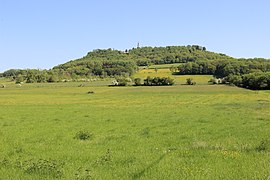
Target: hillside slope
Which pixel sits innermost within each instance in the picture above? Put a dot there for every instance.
(153, 55)
(110, 62)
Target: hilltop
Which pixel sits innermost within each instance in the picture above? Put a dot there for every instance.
(110, 62)
(144, 56)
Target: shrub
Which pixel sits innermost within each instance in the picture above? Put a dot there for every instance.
(256, 81)
(234, 79)
(19, 79)
(158, 81)
(137, 81)
(189, 81)
(263, 146)
(120, 81)
(53, 78)
(83, 135)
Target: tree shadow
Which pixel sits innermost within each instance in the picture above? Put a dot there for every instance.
(176, 73)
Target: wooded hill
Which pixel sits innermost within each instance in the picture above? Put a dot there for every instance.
(111, 62)
(114, 63)
(152, 55)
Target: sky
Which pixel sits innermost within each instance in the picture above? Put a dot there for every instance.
(44, 33)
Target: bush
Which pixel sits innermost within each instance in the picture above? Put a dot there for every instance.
(234, 79)
(158, 81)
(121, 81)
(257, 81)
(263, 146)
(137, 81)
(83, 135)
(19, 79)
(189, 81)
(53, 78)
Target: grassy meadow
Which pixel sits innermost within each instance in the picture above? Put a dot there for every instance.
(59, 131)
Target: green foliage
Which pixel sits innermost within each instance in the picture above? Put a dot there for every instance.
(109, 63)
(12, 73)
(74, 70)
(240, 67)
(223, 68)
(234, 79)
(256, 81)
(158, 81)
(19, 79)
(198, 67)
(121, 81)
(102, 68)
(189, 81)
(137, 81)
(83, 135)
(250, 73)
(263, 146)
(171, 54)
(53, 78)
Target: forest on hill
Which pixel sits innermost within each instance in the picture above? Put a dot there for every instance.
(155, 55)
(194, 59)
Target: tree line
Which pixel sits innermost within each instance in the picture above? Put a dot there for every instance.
(98, 68)
(254, 81)
(72, 71)
(247, 73)
(149, 81)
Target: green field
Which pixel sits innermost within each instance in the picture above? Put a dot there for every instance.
(177, 132)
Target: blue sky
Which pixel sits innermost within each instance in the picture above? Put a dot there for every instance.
(45, 33)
